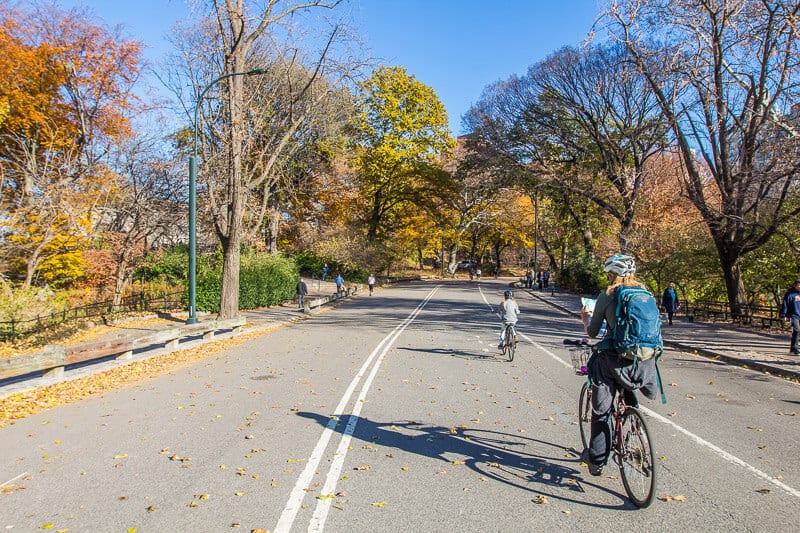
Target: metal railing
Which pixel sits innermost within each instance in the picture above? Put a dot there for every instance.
(12, 330)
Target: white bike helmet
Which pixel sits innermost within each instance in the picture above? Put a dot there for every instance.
(621, 265)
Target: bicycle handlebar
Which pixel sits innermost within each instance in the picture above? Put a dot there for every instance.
(575, 342)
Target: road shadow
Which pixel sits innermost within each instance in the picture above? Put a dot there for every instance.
(525, 463)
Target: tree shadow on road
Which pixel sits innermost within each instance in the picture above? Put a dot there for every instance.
(540, 467)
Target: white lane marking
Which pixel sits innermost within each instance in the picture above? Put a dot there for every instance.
(722, 453)
(13, 479)
(304, 480)
(323, 505)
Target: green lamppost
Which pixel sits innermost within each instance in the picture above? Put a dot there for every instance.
(193, 197)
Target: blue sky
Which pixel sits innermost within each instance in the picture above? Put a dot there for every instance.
(458, 47)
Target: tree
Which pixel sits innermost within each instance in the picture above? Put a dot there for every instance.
(583, 120)
(244, 142)
(147, 209)
(65, 84)
(400, 133)
(725, 75)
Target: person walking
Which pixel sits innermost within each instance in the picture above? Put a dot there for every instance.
(302, 292)
(790, 311)
(324, 271)
(669, 302)
(371, 283)
(339, 283)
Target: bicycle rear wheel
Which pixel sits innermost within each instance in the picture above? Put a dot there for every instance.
(510, 342)
(637, 464)
(585, 414)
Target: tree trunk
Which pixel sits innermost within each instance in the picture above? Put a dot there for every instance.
(420, 258)
(231, 242)
(274, 226)
(375, 219)
(734, 285)
(453, 265)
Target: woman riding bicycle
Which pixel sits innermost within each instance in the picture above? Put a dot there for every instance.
(609, 371)
(509, 311)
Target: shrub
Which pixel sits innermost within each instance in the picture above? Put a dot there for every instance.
(23, 303)
(582, 275)
(264, 280)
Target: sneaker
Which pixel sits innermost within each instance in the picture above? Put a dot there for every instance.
(595, 470)
(500, 346)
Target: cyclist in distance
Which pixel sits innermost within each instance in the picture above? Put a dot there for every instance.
(609, 371)
(509, 311)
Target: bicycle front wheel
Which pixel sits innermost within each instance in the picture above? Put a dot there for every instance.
(585, 414)
(637, 464)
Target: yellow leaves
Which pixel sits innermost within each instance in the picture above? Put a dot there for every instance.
(378, 504)
(366, 466)
(121, 456)
(47, 526)
(239, 493)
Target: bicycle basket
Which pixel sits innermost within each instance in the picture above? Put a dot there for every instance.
(580, 359)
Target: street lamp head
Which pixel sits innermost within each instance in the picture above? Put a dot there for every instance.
(256, 71)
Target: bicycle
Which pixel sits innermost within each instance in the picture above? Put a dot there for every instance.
(631, 445)
(509, 342)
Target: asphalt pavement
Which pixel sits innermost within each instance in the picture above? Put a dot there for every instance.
(747, 347)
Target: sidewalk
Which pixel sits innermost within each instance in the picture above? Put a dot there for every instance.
(746, 347)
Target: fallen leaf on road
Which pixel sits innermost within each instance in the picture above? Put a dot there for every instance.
(763, 491)
(379, 504)
(121, 456)
(541, 500)
(364, 467)
(459, 462)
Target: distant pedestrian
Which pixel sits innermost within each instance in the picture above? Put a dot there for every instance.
(302, 291)
(529, 279)
(546, 279)
(539, 279)
(669, 302)
(478, 274)
(790, 310)
(339, 283)
(371, 283)
(324, 271)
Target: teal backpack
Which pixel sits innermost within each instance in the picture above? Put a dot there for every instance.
(637, 333)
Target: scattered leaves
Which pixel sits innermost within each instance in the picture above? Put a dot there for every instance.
(541, 500)
(677, 498)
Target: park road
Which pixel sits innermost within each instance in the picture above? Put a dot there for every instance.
(396, 412)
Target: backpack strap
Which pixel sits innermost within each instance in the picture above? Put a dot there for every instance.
(658, 377)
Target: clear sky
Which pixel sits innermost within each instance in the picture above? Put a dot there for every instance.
(458, 47)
